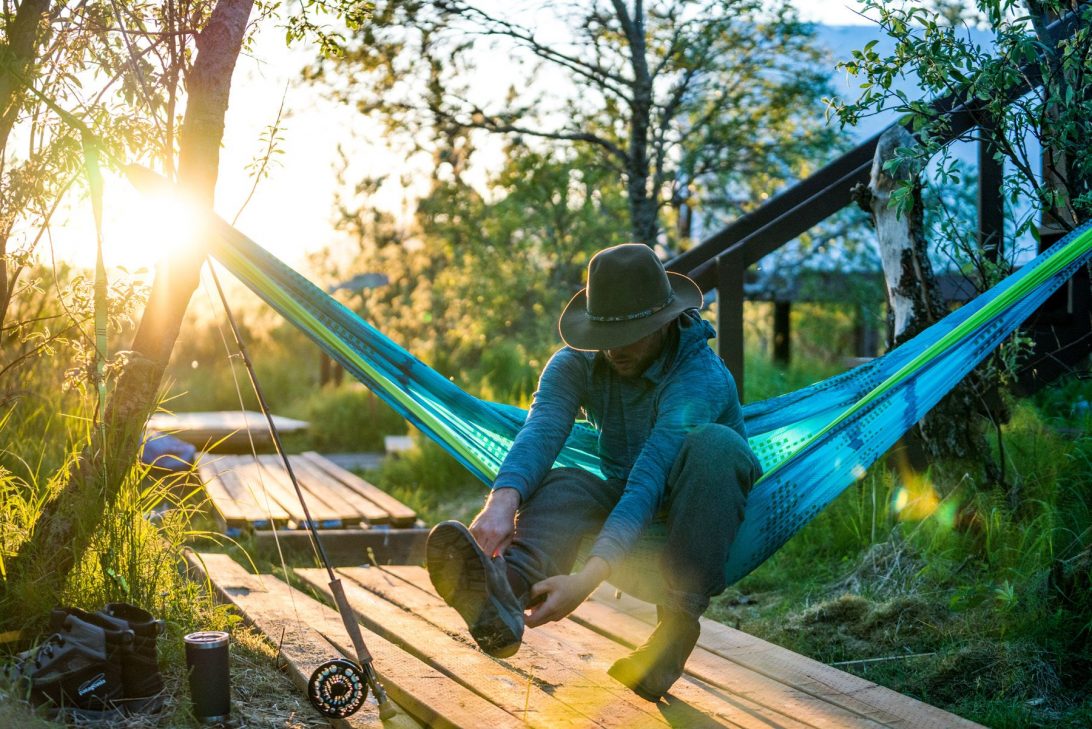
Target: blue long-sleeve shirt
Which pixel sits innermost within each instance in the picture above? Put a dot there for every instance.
(642, 422)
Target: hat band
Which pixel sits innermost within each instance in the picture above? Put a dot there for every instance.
(638, 315)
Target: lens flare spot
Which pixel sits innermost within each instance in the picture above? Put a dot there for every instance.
(915, 499)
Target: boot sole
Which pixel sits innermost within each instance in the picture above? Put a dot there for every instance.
(457, 568)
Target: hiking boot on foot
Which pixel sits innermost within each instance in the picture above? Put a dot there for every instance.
(652, 669)
(476, 586)
(77, 670)
(140, 675)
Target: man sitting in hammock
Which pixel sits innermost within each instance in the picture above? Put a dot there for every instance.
(673, 447)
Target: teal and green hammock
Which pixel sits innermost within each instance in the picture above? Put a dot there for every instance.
(813, 443)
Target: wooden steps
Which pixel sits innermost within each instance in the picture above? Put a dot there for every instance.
(559, 678)
(255, 492)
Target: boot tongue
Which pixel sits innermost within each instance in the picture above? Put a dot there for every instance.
(90, 637)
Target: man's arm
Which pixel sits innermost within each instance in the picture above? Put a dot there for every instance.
(549, 422)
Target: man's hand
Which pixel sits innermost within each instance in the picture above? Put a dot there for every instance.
(495, 524)
(564, 593)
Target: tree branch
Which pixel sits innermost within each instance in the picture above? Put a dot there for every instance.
(594, 72)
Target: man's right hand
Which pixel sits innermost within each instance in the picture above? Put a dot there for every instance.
(495, 525)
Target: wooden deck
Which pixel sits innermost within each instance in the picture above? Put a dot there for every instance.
(255, 493)
(430, 666)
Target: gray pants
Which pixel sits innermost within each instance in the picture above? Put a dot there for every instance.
(702, 510)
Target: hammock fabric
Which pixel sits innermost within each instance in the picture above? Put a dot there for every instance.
(812, 443)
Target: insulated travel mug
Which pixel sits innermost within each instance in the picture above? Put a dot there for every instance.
(210, 682)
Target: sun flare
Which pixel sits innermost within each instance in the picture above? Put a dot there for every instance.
(149, 225)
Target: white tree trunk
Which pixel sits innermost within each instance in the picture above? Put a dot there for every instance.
(949, 430)
(911, 286)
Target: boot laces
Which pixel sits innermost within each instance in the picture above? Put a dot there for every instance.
(47, 649)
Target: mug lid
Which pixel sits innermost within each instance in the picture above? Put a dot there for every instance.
(206, 639)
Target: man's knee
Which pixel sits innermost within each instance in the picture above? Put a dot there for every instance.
(720, 447)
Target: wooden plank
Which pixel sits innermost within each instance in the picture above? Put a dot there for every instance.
(361, 508)
(225, 483)
(315, 490)
(712, 669)
(850, 692)
(243, 475)
(523, 695)
(230, 513)
(230, 427)
(572, 673)
(260, 505)
(327, 510)
(422, 691)
(401, 515)
(254, 476)
(741, 698)
(348, 547)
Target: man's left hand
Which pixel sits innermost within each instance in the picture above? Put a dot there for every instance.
(563, 593)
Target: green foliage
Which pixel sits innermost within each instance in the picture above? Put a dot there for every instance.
(982, 607)
(933, 47)
(135, 548)
(431, 482)
(350, 418)
(207, 373)
(713, 104)
(478, 282)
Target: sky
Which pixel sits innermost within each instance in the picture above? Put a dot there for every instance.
(291, 211)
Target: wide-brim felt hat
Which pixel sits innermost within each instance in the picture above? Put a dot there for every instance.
(629, 296)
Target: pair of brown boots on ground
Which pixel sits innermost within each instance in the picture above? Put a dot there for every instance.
(98, 667)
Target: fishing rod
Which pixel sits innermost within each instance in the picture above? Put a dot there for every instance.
(339, 687)
(335, 687)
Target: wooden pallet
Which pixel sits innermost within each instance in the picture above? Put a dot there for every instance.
(559, 676)
(430, 666)
(255, 493)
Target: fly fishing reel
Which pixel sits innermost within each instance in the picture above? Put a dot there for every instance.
(338, 688)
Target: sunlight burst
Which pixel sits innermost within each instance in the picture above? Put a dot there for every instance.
(158, 223)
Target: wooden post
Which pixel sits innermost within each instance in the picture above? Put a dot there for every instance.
(730, 271)
(991, 200)
(866, 338)
(782, 332)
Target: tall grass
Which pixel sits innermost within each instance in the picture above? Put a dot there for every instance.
(136, 539)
